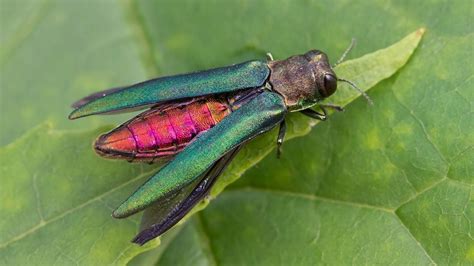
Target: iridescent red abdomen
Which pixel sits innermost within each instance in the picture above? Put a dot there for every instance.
(162, 131)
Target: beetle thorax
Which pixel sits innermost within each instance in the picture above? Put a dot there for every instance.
(299, 79)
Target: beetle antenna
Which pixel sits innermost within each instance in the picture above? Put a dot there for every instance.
(346, 52)
(357, 89)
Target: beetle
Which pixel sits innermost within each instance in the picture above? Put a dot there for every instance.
(197, 122)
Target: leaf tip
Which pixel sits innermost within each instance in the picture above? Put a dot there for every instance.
(421, 31)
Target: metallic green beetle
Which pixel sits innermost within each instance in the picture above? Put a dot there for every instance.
(197, 122)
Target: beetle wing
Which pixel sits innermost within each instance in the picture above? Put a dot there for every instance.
(166, 213)
(255, 117)
(220, 80)
(95, 96)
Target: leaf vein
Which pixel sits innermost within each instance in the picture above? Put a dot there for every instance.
(38, 198)
(422, 125)
(313, 198)
(415, 239)
(67, 212)
(434, 184)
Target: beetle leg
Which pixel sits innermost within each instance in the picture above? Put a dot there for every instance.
(333, 107)
(313, 114)
(281, 136)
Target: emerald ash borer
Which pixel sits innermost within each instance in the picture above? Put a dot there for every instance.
(197, 122)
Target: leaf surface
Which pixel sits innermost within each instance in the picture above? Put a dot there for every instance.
(55, 52)
(57, 196)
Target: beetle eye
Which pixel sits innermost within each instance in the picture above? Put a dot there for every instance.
(330, 85)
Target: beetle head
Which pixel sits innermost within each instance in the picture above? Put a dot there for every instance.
(323, 71)
(324, 77)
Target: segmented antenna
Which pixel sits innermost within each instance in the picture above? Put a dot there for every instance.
(343, 56)
(346, 52)
(357, 89)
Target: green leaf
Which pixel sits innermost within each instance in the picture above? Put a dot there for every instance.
(54, 52)
(57, 197)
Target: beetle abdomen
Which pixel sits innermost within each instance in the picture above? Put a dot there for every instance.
(162, 131)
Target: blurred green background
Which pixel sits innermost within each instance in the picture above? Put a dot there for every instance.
(392, 183)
